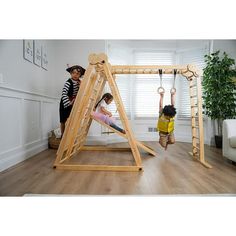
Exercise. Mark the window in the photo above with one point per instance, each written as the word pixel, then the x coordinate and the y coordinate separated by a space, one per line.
pixel 119 56
pixel 123 83
pixel 145 98
pixel 139 92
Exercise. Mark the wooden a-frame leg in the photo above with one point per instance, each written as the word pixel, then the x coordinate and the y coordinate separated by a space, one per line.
pixel 124 119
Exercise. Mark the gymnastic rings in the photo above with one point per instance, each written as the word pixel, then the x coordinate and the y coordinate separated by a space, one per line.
pixel 173 89
pixel 160 90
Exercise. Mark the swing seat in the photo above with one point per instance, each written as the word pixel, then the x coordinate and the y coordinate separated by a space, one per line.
pixel 108 132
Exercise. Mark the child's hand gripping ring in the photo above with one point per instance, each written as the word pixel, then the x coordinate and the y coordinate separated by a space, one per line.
pixel 160 90
pixel 173 90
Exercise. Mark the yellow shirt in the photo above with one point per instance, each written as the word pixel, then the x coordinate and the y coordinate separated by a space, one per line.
pixel 165 124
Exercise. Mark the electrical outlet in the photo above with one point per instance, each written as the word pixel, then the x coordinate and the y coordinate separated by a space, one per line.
pixel 1 79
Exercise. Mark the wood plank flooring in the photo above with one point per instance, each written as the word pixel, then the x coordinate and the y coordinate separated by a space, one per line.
pixel 171 172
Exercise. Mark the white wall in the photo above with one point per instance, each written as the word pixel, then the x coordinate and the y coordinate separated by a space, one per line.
pixel 228 46
pixel 72 52
pixel 28 110
pixel 30 95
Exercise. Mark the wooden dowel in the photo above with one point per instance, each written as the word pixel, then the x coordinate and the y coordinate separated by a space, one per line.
pixel 98 167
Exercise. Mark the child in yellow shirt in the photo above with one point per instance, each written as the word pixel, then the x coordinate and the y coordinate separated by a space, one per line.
pixel 165 124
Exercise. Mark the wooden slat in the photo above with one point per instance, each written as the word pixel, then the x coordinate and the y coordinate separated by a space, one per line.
pixel 98 167
pixel 103 148
pixel 98 95
pixel 80 114
pixel 83 87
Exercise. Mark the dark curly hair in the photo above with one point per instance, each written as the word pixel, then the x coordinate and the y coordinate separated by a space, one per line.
pixel 169 110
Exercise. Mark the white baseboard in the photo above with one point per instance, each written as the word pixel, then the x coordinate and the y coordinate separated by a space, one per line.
pixel 20 154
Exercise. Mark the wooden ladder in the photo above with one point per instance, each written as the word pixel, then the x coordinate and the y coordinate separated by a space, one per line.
pixel 197 121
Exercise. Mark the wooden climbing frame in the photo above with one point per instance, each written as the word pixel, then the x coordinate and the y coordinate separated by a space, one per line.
pixel 97 74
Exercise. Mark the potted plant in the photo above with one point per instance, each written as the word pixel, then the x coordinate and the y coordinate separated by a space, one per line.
pixel 219 90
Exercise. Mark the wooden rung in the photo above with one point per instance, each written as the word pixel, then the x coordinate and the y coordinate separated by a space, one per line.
pixel 194 106
pixel 104 148
pixel 98 167
pixel 192 86
pixel 196 147
pixel 194 116
pixel 193 96
pixel 195 127
pixel 195 137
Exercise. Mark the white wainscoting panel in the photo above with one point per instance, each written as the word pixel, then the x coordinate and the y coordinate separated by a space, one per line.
pixel 10 123
pixel 25 120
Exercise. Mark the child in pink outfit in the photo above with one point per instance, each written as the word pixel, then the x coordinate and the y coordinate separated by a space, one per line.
pixel 103 114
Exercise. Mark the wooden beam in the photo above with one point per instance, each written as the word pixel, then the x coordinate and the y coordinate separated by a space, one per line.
pixel 103 148
pixel 97 167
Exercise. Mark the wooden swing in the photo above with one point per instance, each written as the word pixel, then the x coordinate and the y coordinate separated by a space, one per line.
pixel 97 74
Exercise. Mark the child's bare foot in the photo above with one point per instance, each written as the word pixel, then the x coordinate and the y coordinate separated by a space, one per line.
pixel 123 131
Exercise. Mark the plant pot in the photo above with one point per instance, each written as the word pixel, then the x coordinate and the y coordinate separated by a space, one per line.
pixel 218 141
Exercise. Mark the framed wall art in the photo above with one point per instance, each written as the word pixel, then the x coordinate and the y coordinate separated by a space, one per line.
pixel 28 50
pixel 37 53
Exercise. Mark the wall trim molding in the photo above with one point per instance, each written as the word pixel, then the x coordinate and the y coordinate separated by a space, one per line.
pixel 20 154
pixel 27 92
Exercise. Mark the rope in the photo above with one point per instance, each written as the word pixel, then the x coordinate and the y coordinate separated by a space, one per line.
pixel 173 89
pixel 160 89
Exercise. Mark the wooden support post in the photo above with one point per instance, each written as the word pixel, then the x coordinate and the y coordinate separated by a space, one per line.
pixel 200 123
pixel 124 119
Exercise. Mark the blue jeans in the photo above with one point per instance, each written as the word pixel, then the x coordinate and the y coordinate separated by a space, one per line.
pixel 116 127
